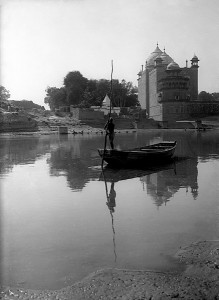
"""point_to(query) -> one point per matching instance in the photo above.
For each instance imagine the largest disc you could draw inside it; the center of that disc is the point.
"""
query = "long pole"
(111, 88)
(111, 94)
(112, 219)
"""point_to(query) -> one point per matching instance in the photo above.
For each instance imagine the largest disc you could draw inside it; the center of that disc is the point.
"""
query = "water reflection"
(111, 204)
(163, 185)
(161, 182)
(77, 160)
(76, 157)
(111, 198)
(72, 234)
(14, 152)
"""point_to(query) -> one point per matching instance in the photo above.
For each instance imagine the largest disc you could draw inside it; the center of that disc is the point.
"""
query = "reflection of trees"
(21, 150)
(75, 156)
(75, 169)
(75, 159)
(164, 184)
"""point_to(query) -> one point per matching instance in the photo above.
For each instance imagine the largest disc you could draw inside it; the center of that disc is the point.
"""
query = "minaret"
(194, 62)
(194, 78)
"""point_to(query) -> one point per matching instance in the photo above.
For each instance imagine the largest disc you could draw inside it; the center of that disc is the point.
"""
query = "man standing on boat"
(109, 127)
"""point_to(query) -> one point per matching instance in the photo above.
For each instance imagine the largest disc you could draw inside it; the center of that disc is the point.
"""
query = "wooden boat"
(142, 156)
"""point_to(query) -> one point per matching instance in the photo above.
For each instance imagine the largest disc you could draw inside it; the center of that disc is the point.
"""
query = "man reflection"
(111, 199)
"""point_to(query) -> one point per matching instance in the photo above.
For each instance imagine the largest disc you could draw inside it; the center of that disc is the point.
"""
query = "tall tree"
(103, 88)
(4, 94)
(124, 94)
(75, 84)
(55, 97)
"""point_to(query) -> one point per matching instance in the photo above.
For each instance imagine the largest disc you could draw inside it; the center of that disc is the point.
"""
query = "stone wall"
(14, 121)
(200, 108)
(192, 73)
(86, 114)
(175, 111)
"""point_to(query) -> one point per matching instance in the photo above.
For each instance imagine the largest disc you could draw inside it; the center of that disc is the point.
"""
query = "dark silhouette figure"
(109, 127)
(111, 201)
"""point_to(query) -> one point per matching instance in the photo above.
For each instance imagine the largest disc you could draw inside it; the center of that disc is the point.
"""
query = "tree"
(216, 96)
(95, 92)
(90, 95)
(4, 94)
(55, 97)
(75, 84)
(204, 96)
(124, 94)
(80, 91)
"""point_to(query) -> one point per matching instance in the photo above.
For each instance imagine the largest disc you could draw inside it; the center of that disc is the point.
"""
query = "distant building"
(168, 92)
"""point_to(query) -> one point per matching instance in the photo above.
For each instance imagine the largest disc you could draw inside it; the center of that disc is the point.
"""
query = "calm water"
(56, 226)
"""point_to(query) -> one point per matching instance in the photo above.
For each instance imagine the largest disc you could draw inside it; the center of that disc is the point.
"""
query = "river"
(58, 226)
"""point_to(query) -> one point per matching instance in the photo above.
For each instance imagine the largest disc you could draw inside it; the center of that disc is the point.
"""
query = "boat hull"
(142, 156)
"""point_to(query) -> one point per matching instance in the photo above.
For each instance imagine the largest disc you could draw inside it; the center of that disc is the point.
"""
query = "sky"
(43, 40)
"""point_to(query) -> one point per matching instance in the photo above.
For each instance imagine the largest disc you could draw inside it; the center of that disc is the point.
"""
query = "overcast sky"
(41, 41)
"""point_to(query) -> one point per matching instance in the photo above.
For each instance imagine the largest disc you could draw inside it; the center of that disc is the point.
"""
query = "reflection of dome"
(150, 60)
(173, 66)
(166, 59)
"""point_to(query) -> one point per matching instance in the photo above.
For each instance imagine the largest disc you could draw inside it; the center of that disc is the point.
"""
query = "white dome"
(173, 66)
(166, 59)
(157, 53)
(151, 58)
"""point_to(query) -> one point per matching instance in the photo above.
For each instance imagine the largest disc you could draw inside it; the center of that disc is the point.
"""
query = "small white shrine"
(106, 107)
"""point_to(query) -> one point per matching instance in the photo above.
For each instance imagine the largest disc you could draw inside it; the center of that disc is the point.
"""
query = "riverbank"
(40, 122)
(199, 280)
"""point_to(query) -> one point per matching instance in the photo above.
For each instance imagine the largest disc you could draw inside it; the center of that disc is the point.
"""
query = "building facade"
(165, 90)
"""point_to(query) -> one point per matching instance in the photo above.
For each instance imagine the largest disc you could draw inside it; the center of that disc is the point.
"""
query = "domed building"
(165, 90)
(151, 59)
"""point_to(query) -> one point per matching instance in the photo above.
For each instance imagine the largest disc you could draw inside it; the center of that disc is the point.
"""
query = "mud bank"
(199, 280)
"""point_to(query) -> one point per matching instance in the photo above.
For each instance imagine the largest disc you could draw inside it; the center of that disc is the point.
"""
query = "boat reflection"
(76, 159)
(161, 182)
(110, 174)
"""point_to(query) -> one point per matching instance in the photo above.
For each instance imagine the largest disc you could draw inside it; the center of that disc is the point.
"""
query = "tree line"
(79, 91)
(205, 96)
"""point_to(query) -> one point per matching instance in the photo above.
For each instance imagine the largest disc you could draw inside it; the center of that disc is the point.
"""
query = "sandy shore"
(199, 280)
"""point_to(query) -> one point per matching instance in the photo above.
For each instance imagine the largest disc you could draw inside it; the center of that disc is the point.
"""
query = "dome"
(150, 60)
(195, 58)
(173, 66)
(166, 59)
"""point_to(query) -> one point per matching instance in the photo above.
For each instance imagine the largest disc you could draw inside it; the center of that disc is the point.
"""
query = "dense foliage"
(205, 96)
(55, 97)
(4, 94)
(82, 92)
